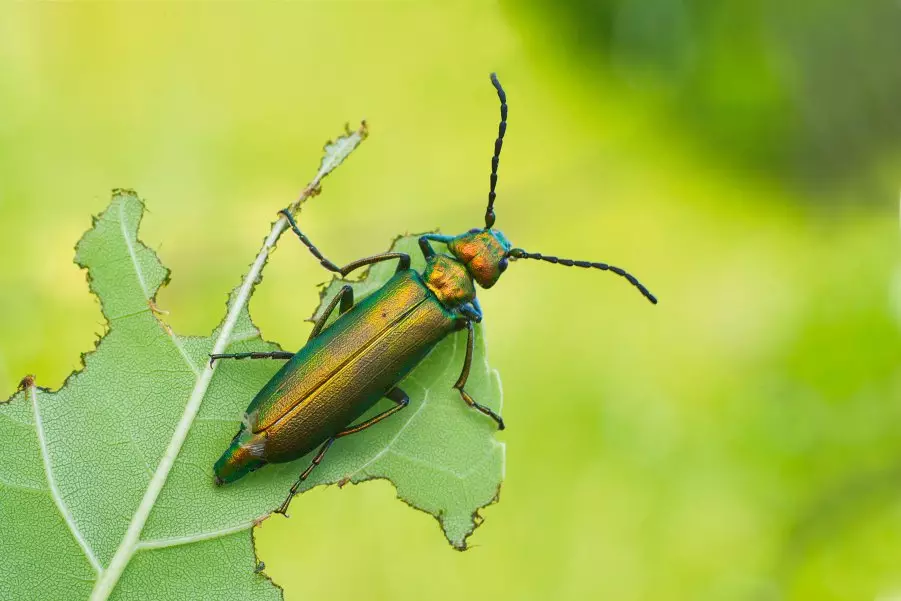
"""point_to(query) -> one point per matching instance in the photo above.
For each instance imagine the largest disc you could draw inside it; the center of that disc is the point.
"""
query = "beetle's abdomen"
(342, 372)
(360, 383)
(325, 355)
(243, 455)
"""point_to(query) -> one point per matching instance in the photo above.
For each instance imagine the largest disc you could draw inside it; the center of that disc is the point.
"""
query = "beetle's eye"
(474, 230)
(503, 265)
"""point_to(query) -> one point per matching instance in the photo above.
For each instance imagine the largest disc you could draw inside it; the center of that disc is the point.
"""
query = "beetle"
(345, 368)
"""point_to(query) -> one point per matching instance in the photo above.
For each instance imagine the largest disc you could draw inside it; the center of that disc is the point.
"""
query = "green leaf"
(106, 487)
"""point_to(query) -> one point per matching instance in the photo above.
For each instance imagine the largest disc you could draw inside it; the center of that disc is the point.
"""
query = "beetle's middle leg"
(402, 263)
(395, 394)
(346, 297)
(255, 355)
(464, 376)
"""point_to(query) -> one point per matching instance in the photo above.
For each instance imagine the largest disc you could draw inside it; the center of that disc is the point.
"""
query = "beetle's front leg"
(472, 311)
(464, 376)
(427, 251)
(402, 264)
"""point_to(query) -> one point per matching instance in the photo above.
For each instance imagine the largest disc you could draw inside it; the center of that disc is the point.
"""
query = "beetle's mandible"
(344, 369)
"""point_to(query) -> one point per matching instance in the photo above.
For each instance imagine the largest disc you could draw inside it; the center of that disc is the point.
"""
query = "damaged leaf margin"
(80, 460)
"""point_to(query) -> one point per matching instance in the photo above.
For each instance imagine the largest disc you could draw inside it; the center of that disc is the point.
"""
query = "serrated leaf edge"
(130, 542)
(140, 275)
(335, 154)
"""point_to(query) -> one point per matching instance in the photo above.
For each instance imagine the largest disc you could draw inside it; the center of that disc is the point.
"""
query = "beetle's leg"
(427, 251)
(306, 241)
(346, 297)
(472, 311)
(395, 394)
(268, 355)
(403, 264)
(464, 375)
(478, 307)
(283, 508)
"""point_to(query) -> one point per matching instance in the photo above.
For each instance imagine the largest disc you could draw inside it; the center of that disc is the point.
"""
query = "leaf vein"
(54, 489)
(423, 462)
(173, 541)
(131, 251)
(147, 296)
(25, 487)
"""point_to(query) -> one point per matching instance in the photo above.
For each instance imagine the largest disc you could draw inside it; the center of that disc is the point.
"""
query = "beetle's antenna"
(498, 144)
(518, 253)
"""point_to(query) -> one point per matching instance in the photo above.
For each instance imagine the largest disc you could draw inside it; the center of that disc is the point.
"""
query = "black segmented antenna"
(518, 253)
(498, 144)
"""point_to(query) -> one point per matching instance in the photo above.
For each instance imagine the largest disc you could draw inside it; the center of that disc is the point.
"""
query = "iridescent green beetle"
(344, 369)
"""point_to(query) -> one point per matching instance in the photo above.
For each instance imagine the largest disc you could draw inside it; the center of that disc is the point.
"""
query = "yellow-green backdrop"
(738, 441)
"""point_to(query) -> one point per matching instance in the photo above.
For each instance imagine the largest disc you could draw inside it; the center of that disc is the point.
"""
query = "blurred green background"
(738, 441)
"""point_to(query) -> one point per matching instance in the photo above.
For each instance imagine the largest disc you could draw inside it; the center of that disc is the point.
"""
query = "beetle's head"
(484, 252)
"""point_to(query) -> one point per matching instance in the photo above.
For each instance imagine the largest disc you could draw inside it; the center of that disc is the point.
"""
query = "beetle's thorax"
(449, 279)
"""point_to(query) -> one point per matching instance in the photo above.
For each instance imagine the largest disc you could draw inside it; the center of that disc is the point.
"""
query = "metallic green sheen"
(339, 375)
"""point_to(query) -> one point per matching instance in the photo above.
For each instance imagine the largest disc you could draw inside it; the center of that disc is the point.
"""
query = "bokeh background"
(738, 441)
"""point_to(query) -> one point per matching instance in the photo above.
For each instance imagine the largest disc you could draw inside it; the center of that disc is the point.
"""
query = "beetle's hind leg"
(464, 376)
(264, 355)
(395, 394)
(283, 508)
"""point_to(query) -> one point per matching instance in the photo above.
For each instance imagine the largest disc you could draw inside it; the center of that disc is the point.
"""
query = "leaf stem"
(335, 153)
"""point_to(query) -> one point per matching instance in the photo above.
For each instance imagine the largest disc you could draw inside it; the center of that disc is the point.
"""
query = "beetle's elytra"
(343, 370)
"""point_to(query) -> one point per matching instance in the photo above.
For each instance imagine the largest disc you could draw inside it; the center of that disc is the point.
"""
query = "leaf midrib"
(130, 542)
